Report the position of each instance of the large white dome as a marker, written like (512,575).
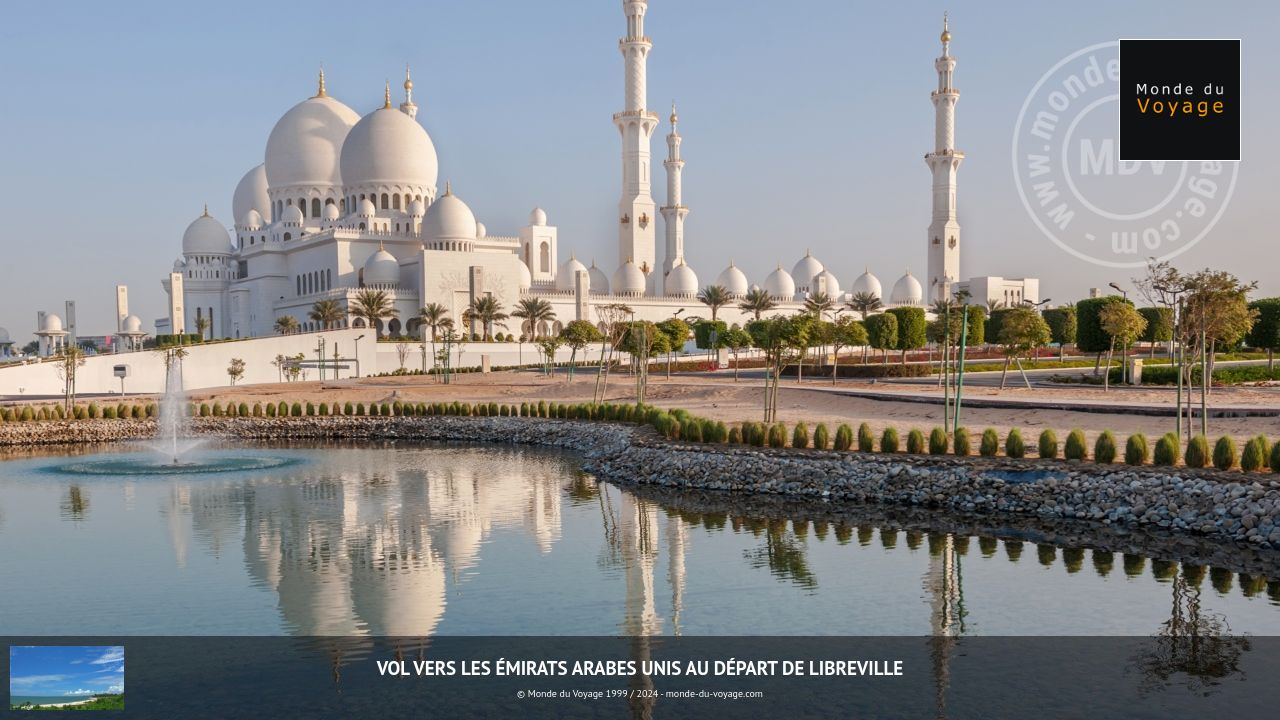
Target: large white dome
(251,194)
(833,284)
(599,281)
(733,280)
(538,217)
(526,277)
(206,236)
(568,274)
(868,283)
(305,145)
(381,269)
(449,218)
(907,291)
(805,270)
(52,324)
(133,324)
(682,282)
(628,280)
(779,285)
(389,148)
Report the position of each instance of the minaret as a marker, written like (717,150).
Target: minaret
(674,212)
(636,221)
(407,107)
(944,161)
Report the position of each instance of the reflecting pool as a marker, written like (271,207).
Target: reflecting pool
(413,540)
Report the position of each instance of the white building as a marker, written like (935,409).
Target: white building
(344,202)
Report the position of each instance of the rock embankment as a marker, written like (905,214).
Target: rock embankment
(1228,507)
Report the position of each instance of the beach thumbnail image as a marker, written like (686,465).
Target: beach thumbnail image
(66,677)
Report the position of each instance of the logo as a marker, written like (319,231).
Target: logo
(1072,182)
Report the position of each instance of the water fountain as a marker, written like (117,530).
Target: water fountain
(173,445)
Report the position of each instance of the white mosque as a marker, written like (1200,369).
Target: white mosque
(343,202)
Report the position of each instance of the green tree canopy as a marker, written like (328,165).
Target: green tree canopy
(1159,324)
(912,327)
(1090,337)
(1062,324)
(882,331)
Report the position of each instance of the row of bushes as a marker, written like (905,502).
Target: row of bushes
(1223,375)
(891,370)
(92,411)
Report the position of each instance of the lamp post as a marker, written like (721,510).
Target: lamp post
(358,339)
(1176,360)
(1124,351)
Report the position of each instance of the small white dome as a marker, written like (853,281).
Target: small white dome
(251,220)
(331,212)
(907,291)
(682,282)
(387,147)
(628,280)
(133,324)
(305,144)
(538,217)
(805,270)
(52,324)
(449,218)
(179,264)
(599,281)
(292,215)
(206,236)
(381,269)
(733,280)
(833,284)
(568,274)
(481,230)
(526,277)
(779,285)
(417,208)
(4,335)
(367,208)
(868,283)
(251,194)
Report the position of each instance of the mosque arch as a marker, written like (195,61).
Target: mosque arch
(544,257)
(315,207)
(395,201)
(288,237)
(393,327)
(386,202)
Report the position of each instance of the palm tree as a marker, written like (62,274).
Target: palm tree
(757,302)
(714,297)
(533,312)
(373,306)
(326,312)
(994,304)
(286,324)
(864,302)
(432,317)
(202,327)
(488,312)
(818,305)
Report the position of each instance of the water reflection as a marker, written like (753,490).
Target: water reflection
(76,505)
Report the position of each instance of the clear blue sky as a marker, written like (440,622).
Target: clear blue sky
(65,671)
(804,126)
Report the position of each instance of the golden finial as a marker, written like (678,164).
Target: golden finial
(946,33)
(674,118)
(448,187)
(408,81)
(206,210)
(386,96)
(320,92)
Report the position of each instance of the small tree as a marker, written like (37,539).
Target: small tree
(845,332)
(202,327)
(882,332)
(1022,332)
(912,329)
(235,370)
(1265,333)
(1122,323)
(68,364)
(714,297)
(1062,326)
(286,325)
(577,335)
(736,340)
(1159,326)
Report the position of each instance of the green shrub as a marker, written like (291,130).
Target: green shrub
(735,435)
(915,442)
(778,436)
(693,432)
(204,410)
(800,436)
(757,435)
(271,409)
(257,409)
(1014,446)
(542,409)
(1197,452)
(1265,444)
(311,409)
(1274,459)
(960,444)
(889,440)
(153,410)
(231,410)
(123,411)
(1254,457)
(989,445)
(218,410)
(493,409)
(1076,448)
(938,441)
(94,411)
(866,439)
(821,437)
(721,433)
(296,409)
(1136,450)
(386,409)
(844,437)
(1047,447)
(1224,453)
(360,408)
(1104,449)
(322,409)
(109,413)
(348,408)
(244,409)
(282,409)
(1167,450)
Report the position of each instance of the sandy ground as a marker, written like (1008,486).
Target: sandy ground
(67,704)
(812,401)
